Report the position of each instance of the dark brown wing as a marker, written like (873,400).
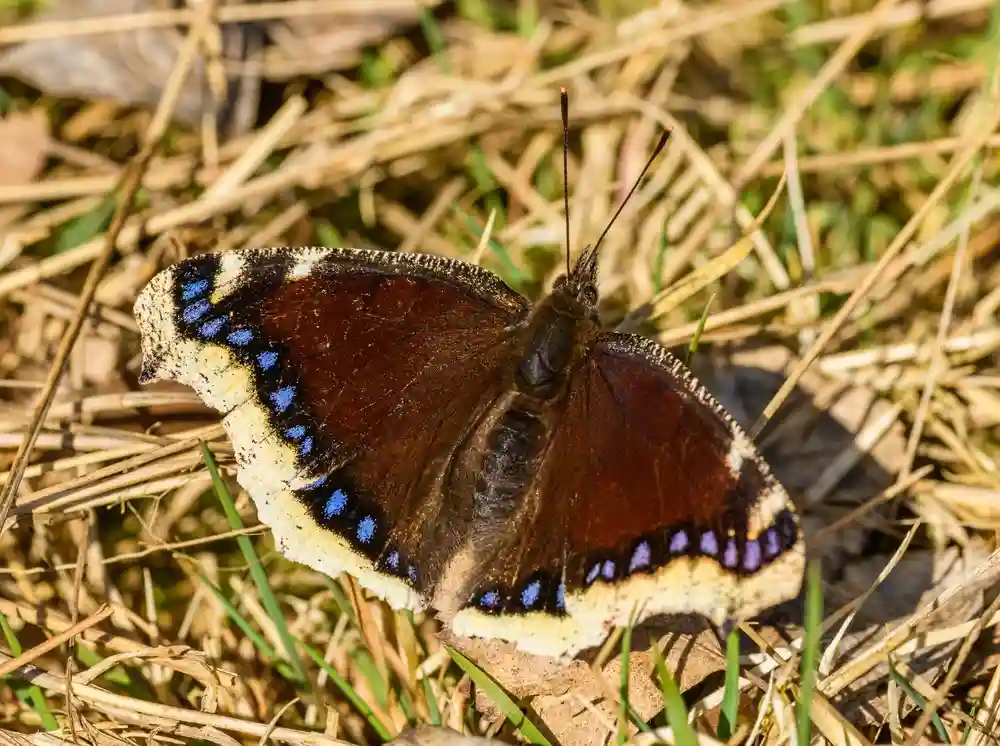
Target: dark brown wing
(347,378)
(651,500)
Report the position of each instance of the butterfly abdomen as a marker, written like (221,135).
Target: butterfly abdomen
(514,449)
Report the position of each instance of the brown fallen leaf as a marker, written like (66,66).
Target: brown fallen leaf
(430,735)
(24,139)
(129,67)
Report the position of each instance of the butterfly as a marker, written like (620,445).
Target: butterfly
(413,421)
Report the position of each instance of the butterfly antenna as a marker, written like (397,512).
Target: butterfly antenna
(656,151)
(564,106)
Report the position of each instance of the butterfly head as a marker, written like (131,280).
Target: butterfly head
(577,291)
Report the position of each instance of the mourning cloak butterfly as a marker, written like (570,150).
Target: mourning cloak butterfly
(413,421)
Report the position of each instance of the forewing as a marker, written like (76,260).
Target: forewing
(651,500)
(347,379)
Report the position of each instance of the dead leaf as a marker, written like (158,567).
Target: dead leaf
(24,140)
(129,67)
(430,735)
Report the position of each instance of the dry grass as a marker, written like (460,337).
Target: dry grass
(132,603)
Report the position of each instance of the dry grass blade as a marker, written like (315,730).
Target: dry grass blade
(830,329)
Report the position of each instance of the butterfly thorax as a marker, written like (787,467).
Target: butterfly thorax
(555,338)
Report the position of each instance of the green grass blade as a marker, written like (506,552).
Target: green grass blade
(661,259)
(502,700)
(499,251)
(433,36)
(31,694)
(731,695)
(623,714)
(267,597)
(81,229)
(673,704)
(918,698)
(258,640)
(696,339)
(432,703)
(327,235)
(366,667)
(810,651)
(349,693)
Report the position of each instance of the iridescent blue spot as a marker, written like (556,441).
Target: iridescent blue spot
(241,337)
(306,446)
(751,555)
(193,289)
(530,594)
(561,596)
(730,556)
(366,529)
(319,482)
(592,573)
(335,505)
(211,327)
(771,544)
(295,432)
(266,360)
(195,311)
(709,544)
(282,398)
(393,560)
(608,570)
(641,557)
(411,573)
(678,542)
(490,599)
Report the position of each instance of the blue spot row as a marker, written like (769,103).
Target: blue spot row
(778,537)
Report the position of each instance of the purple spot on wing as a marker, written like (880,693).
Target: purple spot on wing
(490,599)
(772,546)
(751,556)
(561,596)
(593,573)
(641,557)
(266,360)
(608,570)
(678,542)
(730,557)
(709,544)
(393,560)
(530,594)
